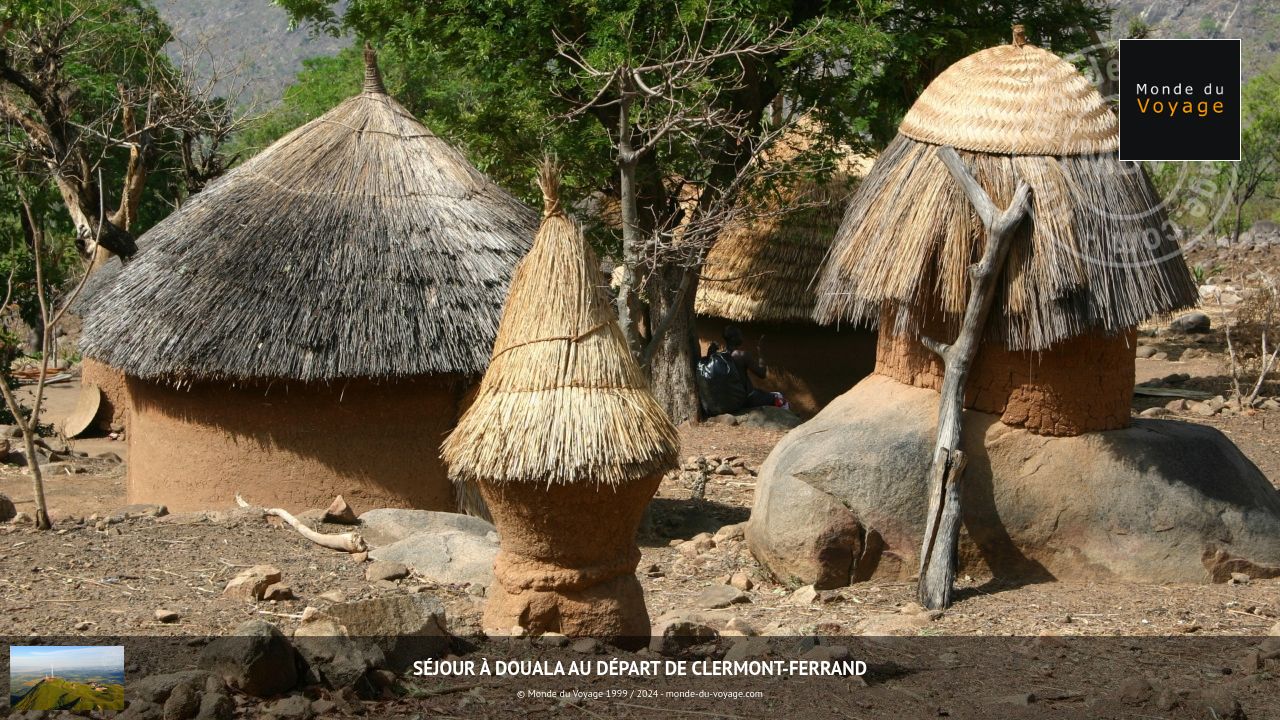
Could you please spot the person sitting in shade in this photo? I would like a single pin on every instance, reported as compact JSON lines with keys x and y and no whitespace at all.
{"x":725,"y":377}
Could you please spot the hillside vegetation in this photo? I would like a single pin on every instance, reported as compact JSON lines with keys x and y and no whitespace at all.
{"x":59,"y":694}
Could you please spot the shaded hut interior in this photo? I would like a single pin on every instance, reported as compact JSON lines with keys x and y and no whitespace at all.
{"x":759,"y":276}
{"x":310,"y":324}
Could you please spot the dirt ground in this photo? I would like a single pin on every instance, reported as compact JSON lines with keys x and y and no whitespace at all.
{"x":84,"y":581}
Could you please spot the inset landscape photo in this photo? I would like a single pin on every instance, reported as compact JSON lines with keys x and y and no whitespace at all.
{"x":80,"y":679}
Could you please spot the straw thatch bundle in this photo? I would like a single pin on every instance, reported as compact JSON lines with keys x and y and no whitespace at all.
{"x":761,"y":267}
{"x":1094,"y":256}
{"x":360,"y":245}
{"x":563,"y":400}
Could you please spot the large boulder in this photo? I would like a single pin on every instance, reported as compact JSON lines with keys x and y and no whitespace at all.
{"x":449,"y":557}
{"x":385,"y":526}
{"x":255,"y":659}
{"x":842,"y":498}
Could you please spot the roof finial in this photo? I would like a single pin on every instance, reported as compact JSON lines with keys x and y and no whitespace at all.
{"x":549,"y":182}
{"x":1019,"y":35}
{"x":372,"y":77}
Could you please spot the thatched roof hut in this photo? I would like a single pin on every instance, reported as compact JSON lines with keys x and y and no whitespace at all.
{"x":1093,"y":260}
{"x":759,"y":276}
{"x":563,"y":400}
{"x":356,"y":264}
{"x":1094,"y":257}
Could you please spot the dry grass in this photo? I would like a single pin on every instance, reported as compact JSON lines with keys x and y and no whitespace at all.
{"x":358,"y":246}
{"x":1082,"y":263}
{"x":563,"y":400}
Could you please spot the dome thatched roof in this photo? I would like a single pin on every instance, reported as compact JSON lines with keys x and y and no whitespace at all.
{"x":1095,"y":255}
{"x":563,"y":400}
{"x":360,"y":245}
{"x":1013,"y":100}
{"x":761,"y":267}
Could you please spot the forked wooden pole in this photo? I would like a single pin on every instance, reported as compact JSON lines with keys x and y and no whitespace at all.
{"x":942,"y":526}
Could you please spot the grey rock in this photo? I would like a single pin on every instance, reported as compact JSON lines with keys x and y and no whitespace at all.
{"x":843,"y":497}
{"x":748,"y":648}
{"x":294,"y":707}
{"x":385,"y":570}
{"x":157,"y":688}
{"x":721,"y":596}
{"x":385,"y":526}
{"x":215,"y":706}
{"x":256,"y":658}
{"x":1191,"y":323}
{"x":332,"y":657}
{"x":674,"y":632}
{"x":183,"y":703}
{"x":769,"y":418}
{"x":446,"y":557}
{"x":405,"y":627}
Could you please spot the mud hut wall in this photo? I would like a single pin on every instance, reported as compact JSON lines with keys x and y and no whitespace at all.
{"x":1080,"y":385}
{"x":292,"y":445}
{"x":114,"y":409}
{"x":810,"y":364}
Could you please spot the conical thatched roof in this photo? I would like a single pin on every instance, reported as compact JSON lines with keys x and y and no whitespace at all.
{"x":761,"y":267}
{"x":359,"y":245}
{"x":563,"y":400}
{"x":1094,"y":256}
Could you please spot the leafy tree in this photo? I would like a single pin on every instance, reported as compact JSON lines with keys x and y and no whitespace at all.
{"x":490,"y":75}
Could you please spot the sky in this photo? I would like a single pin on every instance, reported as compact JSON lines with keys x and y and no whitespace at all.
{"x":64,"y":657}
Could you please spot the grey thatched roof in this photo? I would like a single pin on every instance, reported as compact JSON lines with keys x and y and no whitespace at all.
{"x":359,"y":245}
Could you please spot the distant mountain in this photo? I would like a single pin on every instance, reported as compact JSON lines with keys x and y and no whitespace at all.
{"x":252,"y":35}
{"x":59,"y":694}
{"x":1255,"y":22}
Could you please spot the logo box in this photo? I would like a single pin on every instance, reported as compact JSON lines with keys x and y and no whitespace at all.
{"x":1180,"y":99}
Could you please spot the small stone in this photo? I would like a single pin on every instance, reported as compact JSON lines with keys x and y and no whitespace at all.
{"x":385,"y":570}
{"x":1251,"y":662}
{"x":332,"y":596}
{"x":1177,"y":405}
{"x":696,"y":545}
{"x":323,"y":706}
{"x":1239,"y":578}
{"x":82,"y":625}
{"x":1146,"y":351}
{"x":748,"y":648}
{"x":726,"y":469}
{"x":278,"y":592}
{"x":586,"y":646}
{"x":167,"y":616}
{"x":340,"y":513}
{"x":673,"y":633}
{"x":294,"y":707}
{"x":741,"y":581}
{"x":1135,"y":690}
{"x":1160,"y":356}
{"x":1203,"y":409}
{"x":721,"y":596}
{"x":723,"y":419}
{"x":251,"y":583}
{"x":1155,"y":412}
{"x":1270,"y":404}
{"x":738,"y":626}
{"x":21,"y":518}
{"x":359,"y":557}
{"x":1191,"y":323}
{"x":1274,"y":631}
{"x":806,"y":595}
{"x":728,"y":533}
{"x":552,"y":639}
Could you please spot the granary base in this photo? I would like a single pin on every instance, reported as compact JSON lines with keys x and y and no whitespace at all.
{"x":114,"y":410}
{"x":842,"y":498}
{"x":568,"y":558}
{"x":292,"y":445}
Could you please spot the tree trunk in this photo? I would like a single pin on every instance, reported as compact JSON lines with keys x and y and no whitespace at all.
{"x":671,"y":367}
{"x":946,"y":474}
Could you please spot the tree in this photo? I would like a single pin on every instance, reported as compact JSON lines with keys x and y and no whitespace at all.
{"x":1259,"y":166}
{"x":484,"y":73}
{"x":88,"y":95}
